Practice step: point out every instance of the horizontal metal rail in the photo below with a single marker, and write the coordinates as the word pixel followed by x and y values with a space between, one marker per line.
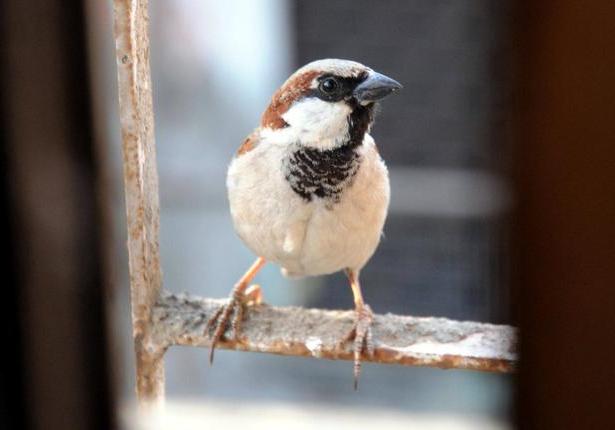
pixel 405 340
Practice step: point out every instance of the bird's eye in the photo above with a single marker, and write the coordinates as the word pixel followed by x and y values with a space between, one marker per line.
pixel 329 85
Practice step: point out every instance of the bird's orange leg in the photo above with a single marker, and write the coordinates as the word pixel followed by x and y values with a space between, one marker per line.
pixel 361 332
pixel 241 296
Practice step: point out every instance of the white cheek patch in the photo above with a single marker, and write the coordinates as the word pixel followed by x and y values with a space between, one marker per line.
pixel 319 123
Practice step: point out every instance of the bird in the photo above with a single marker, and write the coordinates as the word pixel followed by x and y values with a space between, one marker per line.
pixel 308 189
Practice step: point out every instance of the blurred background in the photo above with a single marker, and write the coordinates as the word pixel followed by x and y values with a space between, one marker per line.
pixel 446 141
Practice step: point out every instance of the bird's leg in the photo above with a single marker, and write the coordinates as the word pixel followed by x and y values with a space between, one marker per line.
pixel 241 296
pixel 361 332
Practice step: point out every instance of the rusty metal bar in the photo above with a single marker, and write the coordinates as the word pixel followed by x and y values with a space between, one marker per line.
pixel 433 342
pixel 141 187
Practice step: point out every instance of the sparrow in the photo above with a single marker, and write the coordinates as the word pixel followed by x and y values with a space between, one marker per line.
pixel 308 189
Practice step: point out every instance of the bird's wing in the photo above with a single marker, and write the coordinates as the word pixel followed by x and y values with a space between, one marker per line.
pixel 249 143
pixel 293 247
pixel 293 240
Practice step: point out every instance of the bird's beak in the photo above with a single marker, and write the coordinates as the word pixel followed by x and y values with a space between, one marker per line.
pixel 377 86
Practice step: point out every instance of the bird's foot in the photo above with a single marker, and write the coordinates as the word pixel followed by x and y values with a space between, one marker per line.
pixel 361 335
pixel 231 312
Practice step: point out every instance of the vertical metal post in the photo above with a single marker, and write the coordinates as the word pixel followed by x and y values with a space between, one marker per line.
pixel 141 187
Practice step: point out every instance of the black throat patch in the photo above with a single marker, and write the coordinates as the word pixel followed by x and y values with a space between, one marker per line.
pixel 325 174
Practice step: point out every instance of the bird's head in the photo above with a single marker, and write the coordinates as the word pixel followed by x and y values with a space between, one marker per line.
pixel 326 104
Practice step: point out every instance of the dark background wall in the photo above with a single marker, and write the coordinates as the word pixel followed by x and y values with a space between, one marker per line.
pixel 450 55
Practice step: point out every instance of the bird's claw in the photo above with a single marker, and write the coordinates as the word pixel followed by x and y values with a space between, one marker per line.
pixel 361 335
pixel 232 311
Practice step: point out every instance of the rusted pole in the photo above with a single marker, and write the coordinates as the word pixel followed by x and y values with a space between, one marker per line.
pixel 141 187
pixel 412 341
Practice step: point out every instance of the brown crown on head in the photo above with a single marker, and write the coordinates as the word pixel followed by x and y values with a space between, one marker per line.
pixel 299 85
pixel 292 90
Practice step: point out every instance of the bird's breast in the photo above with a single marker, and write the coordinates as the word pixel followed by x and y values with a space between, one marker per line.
pixel 310 212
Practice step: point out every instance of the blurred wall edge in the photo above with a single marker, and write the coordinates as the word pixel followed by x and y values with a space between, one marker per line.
pixel 56 358
pixel 565 158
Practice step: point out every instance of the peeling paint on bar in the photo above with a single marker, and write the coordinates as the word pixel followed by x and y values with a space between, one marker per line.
pixel 404 340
